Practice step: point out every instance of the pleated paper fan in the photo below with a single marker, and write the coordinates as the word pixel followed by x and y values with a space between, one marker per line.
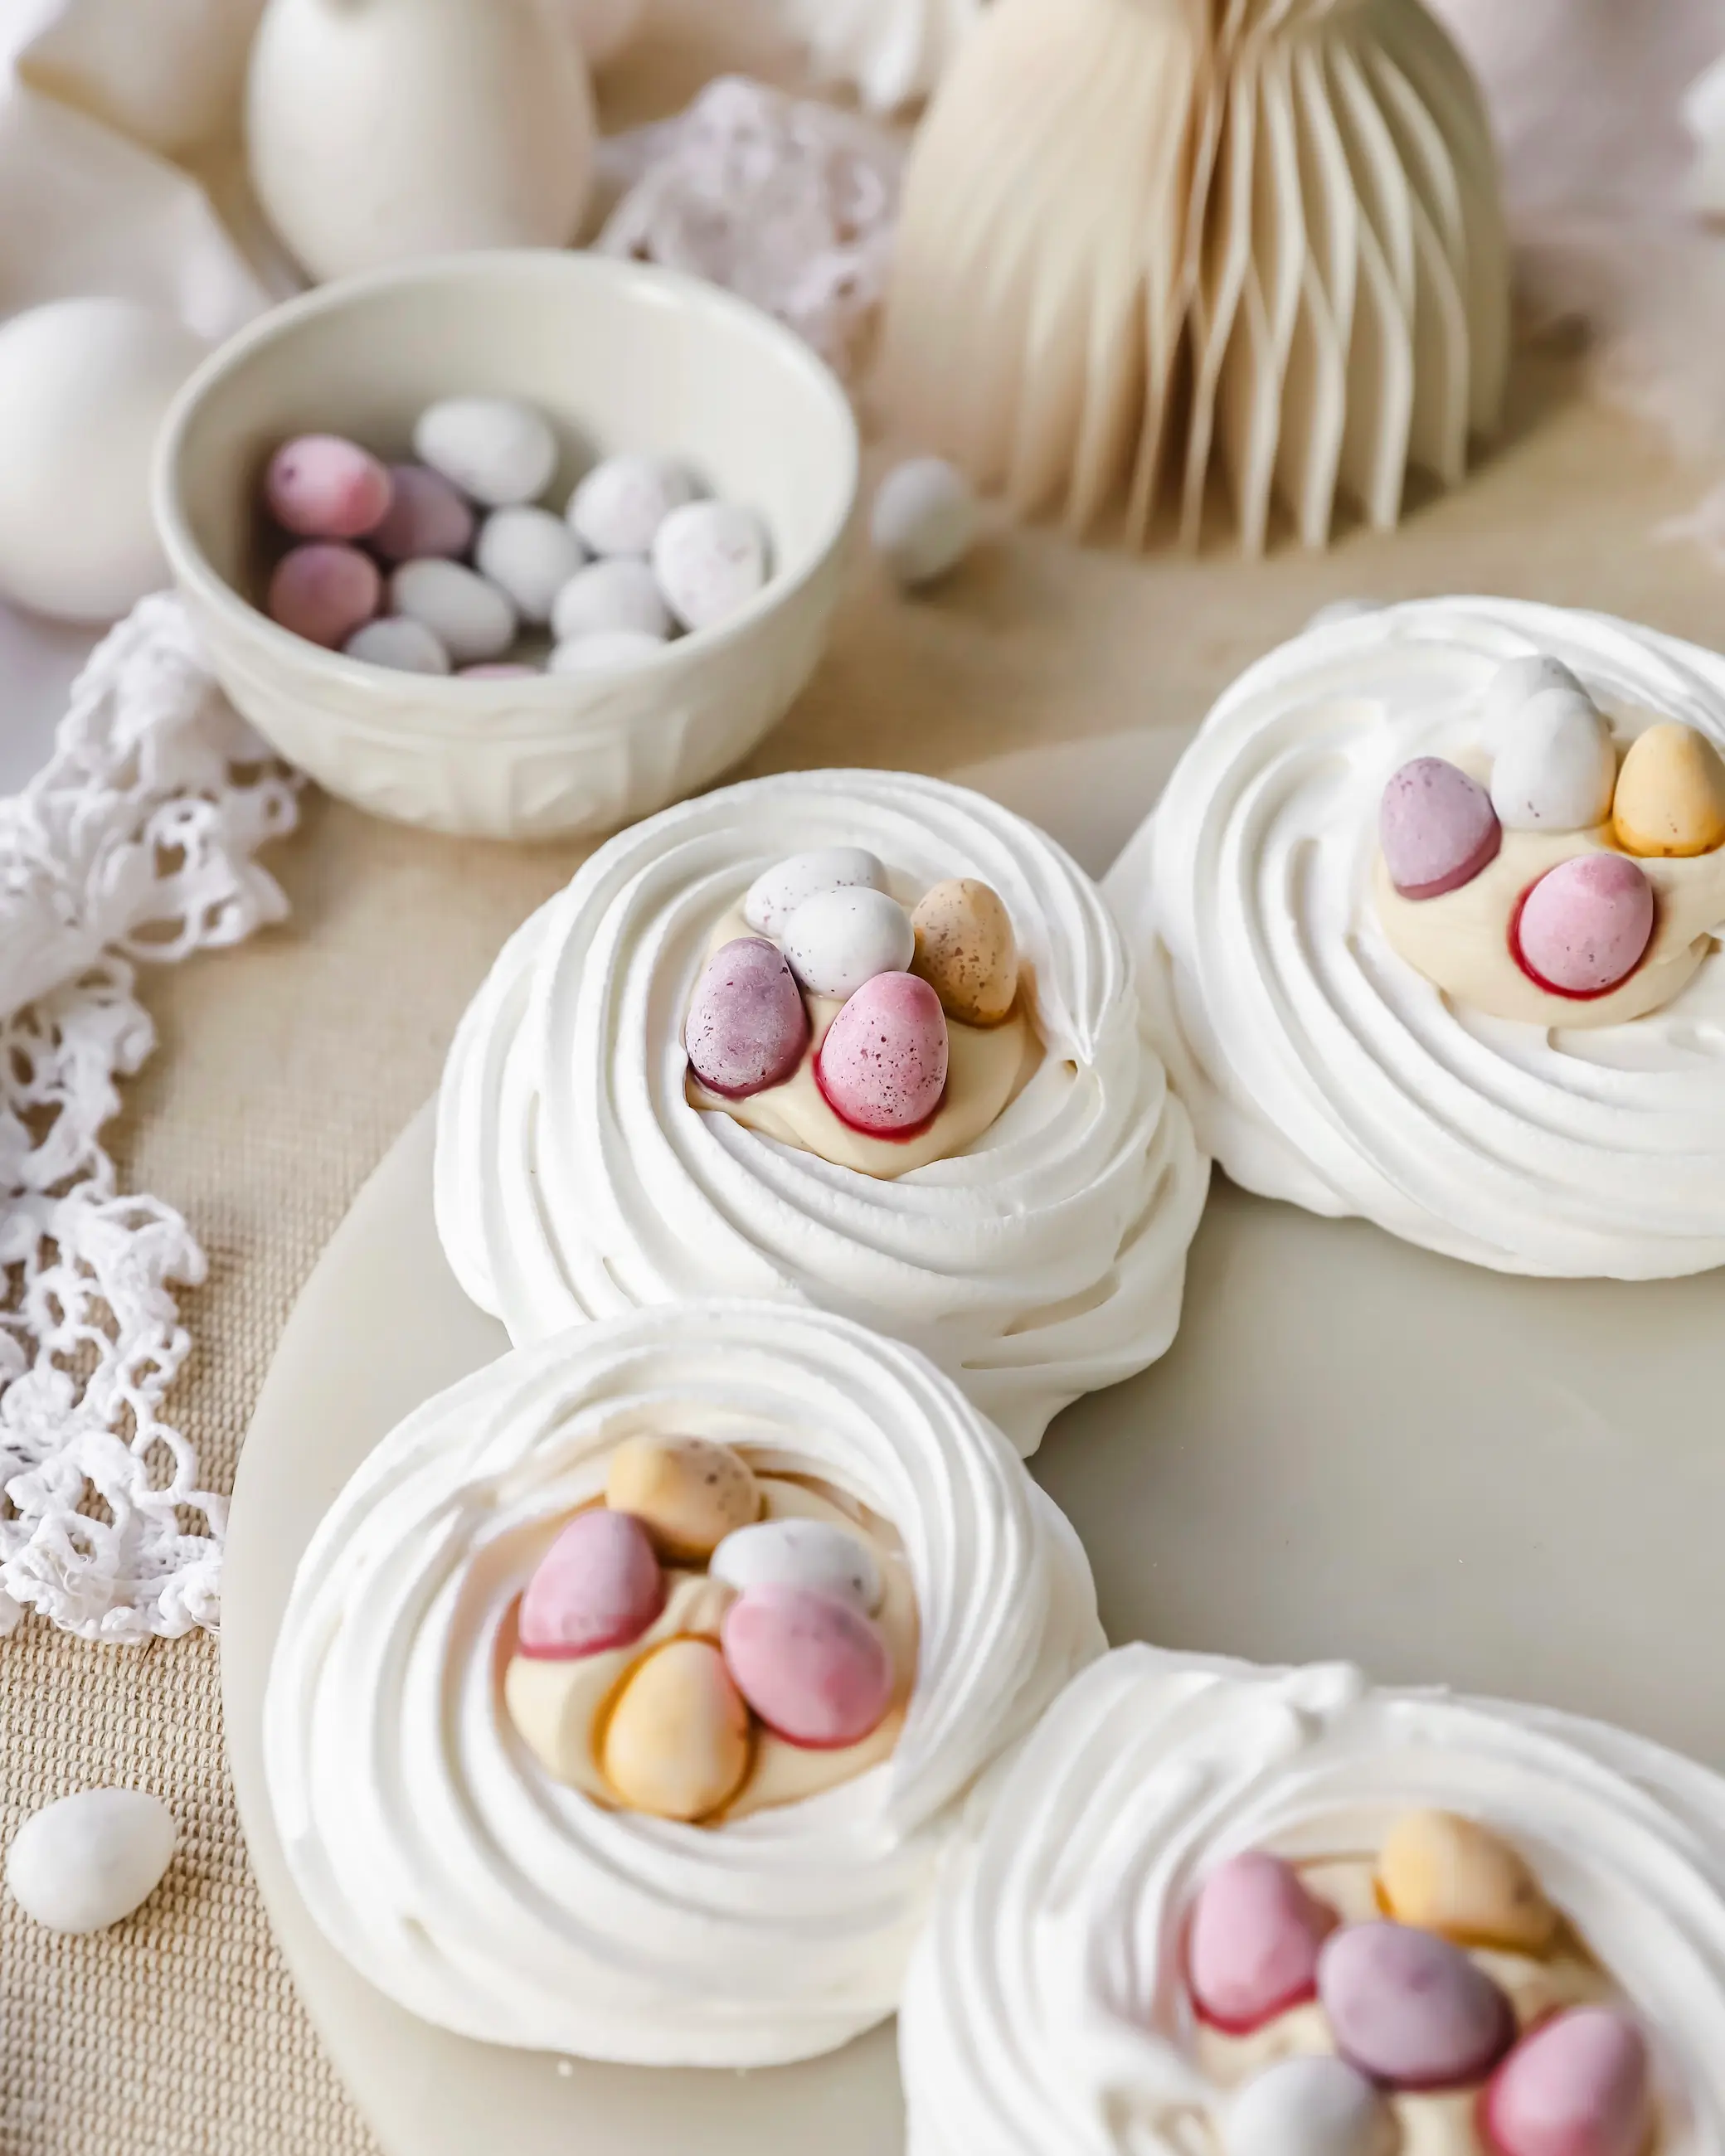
pixel 890 51
pixel 1147 240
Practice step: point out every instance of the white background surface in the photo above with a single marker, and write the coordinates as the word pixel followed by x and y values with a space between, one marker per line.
pixel 38 661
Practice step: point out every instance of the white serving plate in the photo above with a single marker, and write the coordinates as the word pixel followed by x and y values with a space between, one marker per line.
pixel 1354 1449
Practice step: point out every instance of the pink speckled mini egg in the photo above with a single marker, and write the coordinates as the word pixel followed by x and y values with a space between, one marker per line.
pixel 1252 1946
pixel 323 593
pixel 323 487
pixel 1437 827
pixel 883 1064
pixel 1578 2085
pixel 1585 926
pixel 812 1665
pixel 599 1585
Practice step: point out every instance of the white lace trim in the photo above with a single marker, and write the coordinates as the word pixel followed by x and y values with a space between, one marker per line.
pixel 789 203
pixel 137 842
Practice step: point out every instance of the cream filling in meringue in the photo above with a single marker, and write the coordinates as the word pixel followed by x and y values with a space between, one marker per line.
pixel 559 1707
pixel 988 1067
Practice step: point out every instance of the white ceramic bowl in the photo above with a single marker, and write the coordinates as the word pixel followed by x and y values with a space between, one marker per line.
pixel 618 355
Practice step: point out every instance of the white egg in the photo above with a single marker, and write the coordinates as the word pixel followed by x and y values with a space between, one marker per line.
pixel 1309 2106
pixel 1515 684
pixel 499 451
pixel 86 1861
pixel 403 645
pixel 619 507
pixel 469 617
pixel 608 652
pixel 924 521
pixel 777 892
pixel 1555 768
pixel 838 939
pixel 531 555
pixel 811 1554
pixel 710 560
pixel 610 595
pixel 84 385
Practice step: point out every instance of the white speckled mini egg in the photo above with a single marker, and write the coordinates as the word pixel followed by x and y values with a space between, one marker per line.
pixel 402 644
pixel 1556 768
pixel 1513 686
pixel 924 520
pixel 497 450
pixel 608 596
pixel 86 1861
pixel 1310 2107
pixel 777 892
pixel 838 939
pixel 812 1553
pixel 530 555
pixel 619 507
pixel 710 560
pixel 468 615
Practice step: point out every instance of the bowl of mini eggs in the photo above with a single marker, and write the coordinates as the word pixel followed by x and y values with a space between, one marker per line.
pixel 511 545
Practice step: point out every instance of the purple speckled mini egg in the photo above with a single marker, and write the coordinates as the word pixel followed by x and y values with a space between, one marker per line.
pixel 747 1028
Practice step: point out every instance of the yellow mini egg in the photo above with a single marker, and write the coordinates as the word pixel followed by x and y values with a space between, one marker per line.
pixel 678 1744
pixel 1670 794
pixel 1440 1872
pixel 687 1492
pixel 966 950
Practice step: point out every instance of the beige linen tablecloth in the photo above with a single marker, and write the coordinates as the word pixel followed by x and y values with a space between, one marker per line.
pixel 286 1068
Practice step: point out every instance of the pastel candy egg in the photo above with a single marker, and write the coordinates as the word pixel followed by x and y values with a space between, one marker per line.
pixel 1514 686
pixel 924 520
pixel 324 592
pixel 710 560
pixel 1253 1942
pixel 530 555
pixel 825 1558
pixel 405 646
pixel 1437 827
pixel 883 1064
pixel 1585 926
pixel 619 507
pixel 323 487
pixel 677 1742
pixel 688 1493
pixel 812 1666
pixel 775 893
pixel 608 596
pixel 1577 2086
pixel 1410 2008
pixel 1556 768
pixel 598 1586
pixel 1309 2106
pixel 838 939
pixel 1444 1873
pixel 966 950
pixel 610 651
pixel 469 617
pixel 747 1028
pixel 497 450
pixel 427 516
pixel 88 1861
pixel 1670 794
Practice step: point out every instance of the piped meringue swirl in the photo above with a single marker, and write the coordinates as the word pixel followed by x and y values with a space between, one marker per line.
pixel 576 1179
pixel 461 1880
pixel 1046 2013
pixel 1319 1065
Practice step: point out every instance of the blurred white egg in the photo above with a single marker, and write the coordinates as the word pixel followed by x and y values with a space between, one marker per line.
pixel 924 520
pixel 83 384
pixel 84 1862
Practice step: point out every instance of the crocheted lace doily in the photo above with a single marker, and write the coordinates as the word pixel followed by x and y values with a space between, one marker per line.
pixel 792 203
pixel 137 842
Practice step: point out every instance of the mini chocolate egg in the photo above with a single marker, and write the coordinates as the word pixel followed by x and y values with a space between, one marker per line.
pixel 1309 2106
pixel 405 646
pixel 966 950
pixel 1253 1942
pixel 427 516
pixel 1579 2086
pixel 812 1666
pixel 1437 827
pixel 608 596
pixel 1670 794
pixel 817 1555
pixel 87 1860
pixel 530 555
pixel 838 939
pixel 468 615
pixel 924 520
pixel 688 1493
pixel 1411 2009
pixel 748 1027
pixel 1514 686
pixel 324 592
pixel 1443 1873
pixel 1586 924
pixel 323 487
pixel 1556 768
pixel 883 1064
pixel 619 507
pixel 598 1586
pixel 775 893
pixel 606 651
pixel 677 1743
pixel 498 450
pixel 710 559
